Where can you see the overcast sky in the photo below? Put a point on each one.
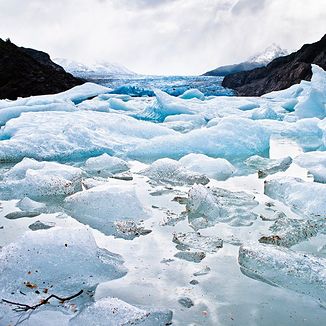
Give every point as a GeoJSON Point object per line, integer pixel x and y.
{"type": "Point", "coordinates": [161, 36]}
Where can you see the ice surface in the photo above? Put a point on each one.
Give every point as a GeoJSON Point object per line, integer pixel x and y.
{"type": "Point", "coordinates": [102, 205]}
{"type": "Point", "coordinates": [208, 206]}
{"type": "Point", "coordinates": [192, 93]}
{"type": "Point", "coordinates": [267, 166]}
{"type": "Point", "coordinates": [114, 312]}
{"type": "Point", "coordinates": [195, 240]}
{"type": "Point", "coordinates": [315, 163]}
{"type": "Point", "coordinates": [61, 260]}
{"type": "Point", "coordinates": [184, 122]}
{"type": "Point", "coordinates": [106, 165]}
{"type": "Point", "coordinates": [288, 232]}
{"type": "Point", "coordinates": [231, 138]}
{"type": "Point", "coordinates": [217, 168]}
{"type": "Point", "coordinates": [172, 172]}
{"type": "Point", "coordinates": [73, 135]}
{"type": "Point", "coordinates": [29, 205]}
{"type": "Point", "coordinates": [39, 179]}
{"type": "Point", "coordinates": [283, 267]}
{"type": "Point", "coordinates": [306, 197]}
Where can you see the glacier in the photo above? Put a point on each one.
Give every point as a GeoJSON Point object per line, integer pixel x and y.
{"type": "Point", "coordinates": [164, 206]}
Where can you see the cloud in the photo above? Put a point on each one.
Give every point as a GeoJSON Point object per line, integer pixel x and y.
{"type": "Point", "coordinates": [161, 36]}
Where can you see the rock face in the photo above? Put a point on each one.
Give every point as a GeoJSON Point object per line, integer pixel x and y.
{"type": "Point", "coordinates": [26, 72]}
{"type": "Point", "coordinates": [281, 73]}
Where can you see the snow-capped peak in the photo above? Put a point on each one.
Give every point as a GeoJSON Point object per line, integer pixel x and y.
{"type": "Point", "coordinates": [96, 68]}
{"type": "Point", "coordinates": [270, 53]}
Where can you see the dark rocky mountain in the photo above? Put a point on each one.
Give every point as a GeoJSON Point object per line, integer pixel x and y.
{"type": "Point", "coordinates": [281, 73]}
{"type": "Point", "coordinates": [25, 72]}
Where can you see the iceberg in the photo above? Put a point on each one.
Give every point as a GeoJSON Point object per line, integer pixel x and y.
{"type": "Point", "coordinates": [115, 312]}
{"type": "Point", "coordinates": [208, 206]}
{"type": "Point", "coordinates": [308, 198]}
{"type": "Point", "coordinates": [39, 179]}
{"type": "Point", "coordinates": [172, 172]}
{"type": "Point", "coordinates": [217, 168]}
{"type": "Point", "coordinates": [105, 204]}
{"type": "Point", "coordinates": [283, 267]}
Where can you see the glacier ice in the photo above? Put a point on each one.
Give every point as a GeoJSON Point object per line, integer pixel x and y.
{"type": "Point", "coordinates": [184, 122]}
{"type": "Point", "coordinates": [195, 240]}
{"type": "Point", "coordinates": [115, 312]}
{"type": "Point", "coordinates": [169, 171]}
{"type": "Point", "coordinates": [106, 165]}
{"type": "Point", "coordinates": [29, 205]}
{"type": "Point", "coordinates": [208, 206]}
{"type": "Point", "coordinates": [192, 93]}
{"type": "Point", "coordinates": [105, 204]}
{"type": "Point", "coordinates": [283, 267]}
{"type": "Point", "coordinates": [61, 260]}
{"type": "Point", "coordinates": [267, 166]}
{"type": "Point", "coordinates": [217, 168]}
{"type": "Point", "coordinates": [306, 197]}
{"type": "Point", "coordinates": [39, 179]}
{"type": "Point", "coordinates": [315, 163]}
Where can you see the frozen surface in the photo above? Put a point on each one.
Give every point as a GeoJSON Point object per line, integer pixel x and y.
{"type": "Point", "coordinates": [283, 267]}
{"type": "Point", "coordinates": [112, 311]}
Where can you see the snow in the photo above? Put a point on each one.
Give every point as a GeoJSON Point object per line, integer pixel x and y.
{"type": "Point", "coordinates": [114, 312]}
{"type": "Point", "coordinates": [306, 197]}
{"type": "Point", "coordinates": [102, 205]}
{"type": "Point", "coordinates": [40, 179]}
{"type": "Point", "coordinates": [315, 163]}
{"type": "Point", "coordinates": [217, 168]}
{"type": "Point", "coordinates": [283, 267]}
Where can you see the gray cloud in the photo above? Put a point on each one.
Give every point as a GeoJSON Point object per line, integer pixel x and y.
{"type": "Point", "coordinates": [161, 36]}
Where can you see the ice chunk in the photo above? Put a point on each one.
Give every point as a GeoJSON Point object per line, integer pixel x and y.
{"type": "Point", "coordinates": [130, 230]}
{"type": "Point", "coordinates": [305, 197]}
{"type": "Point", "coordinates": [283, 267]}
{"type": "Point", "coordinates": [89, 183]}
{"type": "Point", "coordinates": [315, 163]}
{"type": "Point", "coordinates": [73, 135]}
{"type": "Point", "coordinates": [197, 241]}
{"type": "Point", "coordinates": [103, 205]}
{"type": "Point", "coordinates": [38, 179]}
{"type": "Point", "coordinates": [287, 232]}
{"type": "Point", "coordinates": [184, 122]}
{"type": "Point", "coordinates": [231, 138]}
{"type": "Point", "coordinates": [20, 214]}
{"type": "Point", "coordinates": [60, 260]}
{"type": "Point", "coordinates": [267, 166]}
{"type": "Point", "coordinates": [186, 302]}
{"type": "Point", "coordinates": [114, 312]}
{"type": "Point", "coordinates": [217, 168]}
{"type": "Point", "coordinates": [192, 256]}
{"type": "Point", "coordinates": [29, 205]}
{"type": "Point", "coordinates": [106, 165]}
{"type": "Point", "coordinates": [192, 93]}
{"type": "Point", "coordinates": [170, 171]}
{"type": "Point", "coordinates": [313, 102]}
{"type": "Point", "coordinates": [206, 207]}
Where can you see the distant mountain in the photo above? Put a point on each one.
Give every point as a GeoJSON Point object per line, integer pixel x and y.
{"type": "Point", "coordinates": [95, 69]}
{"type": "Point", "coordinates": [256, 61]}
{"type": "Point", "coordinates": [25, 72]}
{"type": "Point", "coordinates": [279, 74]}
